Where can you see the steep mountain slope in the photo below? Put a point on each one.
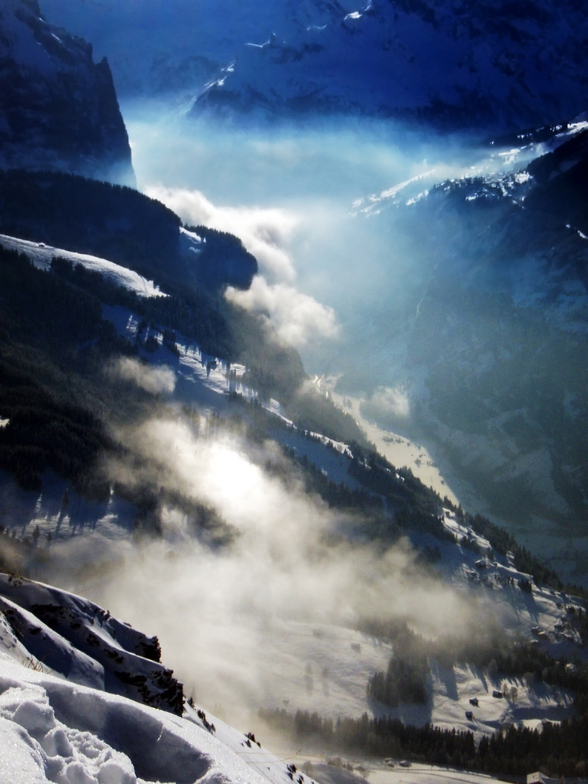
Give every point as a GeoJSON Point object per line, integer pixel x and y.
{"type": "Point", "coordinates": [289, 565]}
{"type": "Point", "coordinates": [450, 63]}
{"type": "Point", "coordinates": [489, 341]}
{"type": "Point", "coordinates": [318, 663]}
{"type": "Point", "coordinates": [58, 109]}
{"type": "Point", "coordinates": [123, 225]}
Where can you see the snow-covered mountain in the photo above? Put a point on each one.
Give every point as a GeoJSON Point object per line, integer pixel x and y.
{"type": "Point", "coordinates": [58, 109]}
{"type": "Point", "coordinates": [95, 219]}
{"type": "Point", "coordinates": [78, 667]}
{"type": "Point", "coordinates": [489, 343]}
{"type": "Point", "coordinates": [67, 727]}
{"type": "Point", "coordinates": [163, 452]}
{"type": "Point", "coordinates": [448, 63]}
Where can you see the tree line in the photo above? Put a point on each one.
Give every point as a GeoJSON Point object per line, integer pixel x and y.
{"type": "Point", "coordinates": [558, 749]}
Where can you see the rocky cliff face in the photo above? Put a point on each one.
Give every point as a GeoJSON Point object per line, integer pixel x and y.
{"type": "Point", "coordinates": [58, 109]}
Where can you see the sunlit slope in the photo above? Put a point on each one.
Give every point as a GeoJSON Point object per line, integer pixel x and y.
{"type": "Point", "coordinates": [290, 601]}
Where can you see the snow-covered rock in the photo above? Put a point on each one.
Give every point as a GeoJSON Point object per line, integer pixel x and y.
{"type": "Point", "coordinates": [80, 641]}
{"type": "Point", "coordinates": [64, 727]}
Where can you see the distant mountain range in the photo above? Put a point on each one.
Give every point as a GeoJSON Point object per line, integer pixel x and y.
{"type": "Point", "coordinates": [452, 64]}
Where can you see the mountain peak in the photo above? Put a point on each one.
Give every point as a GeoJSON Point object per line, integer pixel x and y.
{"type": "Point", "coordinates": [58, 109]}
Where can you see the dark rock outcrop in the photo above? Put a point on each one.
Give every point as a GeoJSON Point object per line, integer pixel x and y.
{"type": "Point", "coordinates": [84, 643]}
{"type": "Point", "coordinates": [58, 109]}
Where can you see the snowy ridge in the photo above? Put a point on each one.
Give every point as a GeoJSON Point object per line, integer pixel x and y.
{"type": "Point", "coordinates": [82, 642]}
{"type": "Point", "coordinates": [497, 175]}
{"type": "Point", "coordinates": [345, 65]}
{"type": "Point", "coordinates": [467, 66]}
{"type": "Point", "coordinates": [42, 255]}
{"type": "Point", "coordinates": [62, 727]}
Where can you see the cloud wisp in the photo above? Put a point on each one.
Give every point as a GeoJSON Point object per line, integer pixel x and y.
{"type": "Point", "coordinates": [296, 317]}
{"type": "Point", "coordinates": [156, 380]}
{"type": "Point", "coordinates": [264, 232]}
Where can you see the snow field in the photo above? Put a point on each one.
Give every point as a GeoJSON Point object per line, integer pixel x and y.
{"type": "Point", "coordinates": [53, 731]}
{"type": "Point", "coordinates": [426, 774]}
{"type": "Point", "coordinates": [42, 255]}
{"type": "Point", "coordinates": [38, 748]}
{"type": "Point", "coordinates": [314, 667]}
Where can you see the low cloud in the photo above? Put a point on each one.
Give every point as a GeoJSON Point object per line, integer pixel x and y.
{"type": "Point", "coordinates": [156, 380]}
{"type": "Point", "coordinates": [388, 406]}
{"type": "Point", "coordinates": [221, 613]}
{"type": "Point", "coordinates": [296, 317]}
{"type": "Point", "coordinates": [264, 232]}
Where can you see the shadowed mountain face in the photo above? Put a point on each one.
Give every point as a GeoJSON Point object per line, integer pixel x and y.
{"type": "Point", "coordinates": [491, 332]}
{"type": "Point", "coordinates": [58, 109]}
{"type": "Point", "coordinates": [453, 64]}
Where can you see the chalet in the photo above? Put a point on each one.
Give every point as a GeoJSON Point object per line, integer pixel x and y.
{"type": "Point", "coordinates": [541, 778]}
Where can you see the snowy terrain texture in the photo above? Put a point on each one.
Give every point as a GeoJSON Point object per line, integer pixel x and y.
{"type": "Point", "coordinates": [62, 716]}
{"type": "Point", "coordinates": [42, 255]}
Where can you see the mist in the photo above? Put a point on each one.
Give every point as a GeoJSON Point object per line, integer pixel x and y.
{"type": "Point", "coordinates": [305, 200]}
{"type": "Point", "coordinates": [379, 298]}
{"type": "Point", "coordinates": [222, 612]}
{"type": "Point", "coordinates": [238, 602]}
{"type": "Point", "coordinates": [156, 380]}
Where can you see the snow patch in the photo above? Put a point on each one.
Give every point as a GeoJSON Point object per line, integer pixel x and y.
{"type": "Point", "coordinates": [42, 255]}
